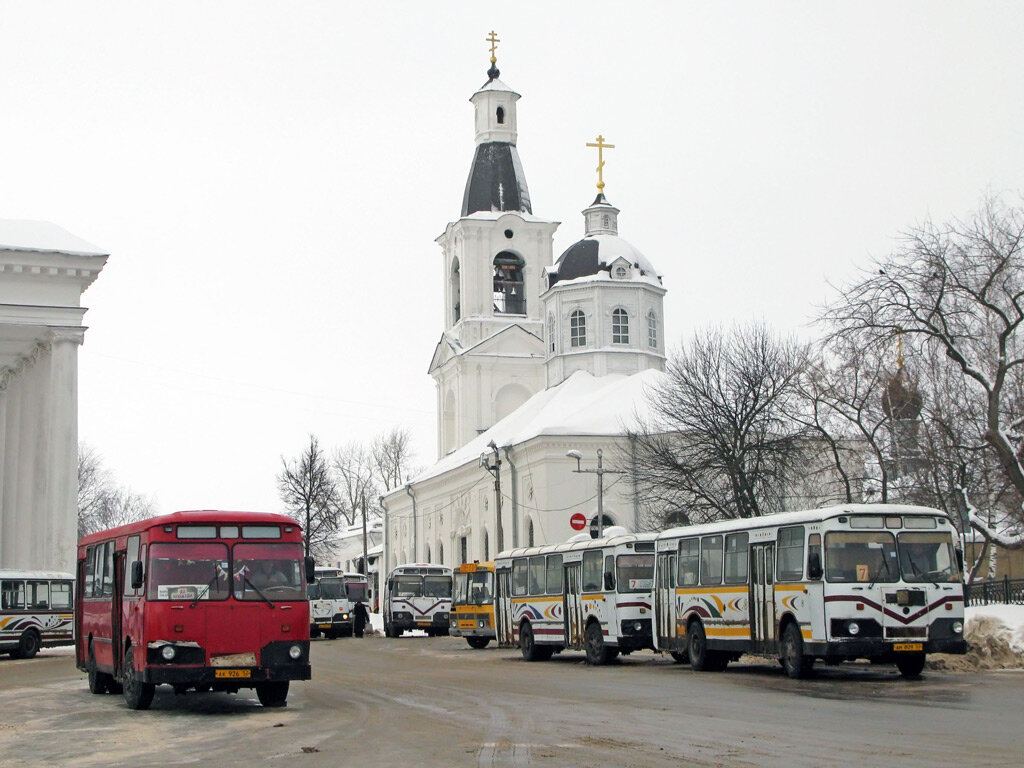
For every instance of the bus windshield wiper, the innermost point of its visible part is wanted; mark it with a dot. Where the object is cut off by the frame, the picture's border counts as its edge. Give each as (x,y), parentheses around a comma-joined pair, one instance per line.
(205,590)
(257,590)
(888,573)
(919,572)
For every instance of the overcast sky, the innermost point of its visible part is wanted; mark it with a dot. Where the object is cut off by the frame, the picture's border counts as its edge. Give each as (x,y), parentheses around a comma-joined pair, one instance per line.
(269,178)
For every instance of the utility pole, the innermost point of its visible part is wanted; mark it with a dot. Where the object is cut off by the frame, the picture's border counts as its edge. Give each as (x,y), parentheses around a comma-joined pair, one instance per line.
(600,472)
(495,469)
(366,565)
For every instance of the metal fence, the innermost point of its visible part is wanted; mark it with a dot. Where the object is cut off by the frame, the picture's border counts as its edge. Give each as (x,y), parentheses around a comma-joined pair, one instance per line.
(1009,591)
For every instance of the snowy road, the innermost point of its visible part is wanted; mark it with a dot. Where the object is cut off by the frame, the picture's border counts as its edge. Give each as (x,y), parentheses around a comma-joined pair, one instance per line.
(436,702)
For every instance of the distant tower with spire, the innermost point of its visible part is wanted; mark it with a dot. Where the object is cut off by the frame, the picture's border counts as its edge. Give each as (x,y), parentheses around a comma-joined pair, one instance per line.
(902,404)
(490,358)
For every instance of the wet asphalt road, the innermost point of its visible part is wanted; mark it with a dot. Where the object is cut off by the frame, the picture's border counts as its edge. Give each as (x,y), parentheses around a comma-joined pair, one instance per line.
(435,702)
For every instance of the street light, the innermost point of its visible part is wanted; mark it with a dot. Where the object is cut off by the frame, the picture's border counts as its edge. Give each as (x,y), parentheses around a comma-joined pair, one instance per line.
(495,469)
(600,472)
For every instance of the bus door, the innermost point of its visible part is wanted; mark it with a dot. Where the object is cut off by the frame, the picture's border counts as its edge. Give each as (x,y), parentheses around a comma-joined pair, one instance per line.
(572,604)
(503,607)
(762,598)
(116,610)
(665,600)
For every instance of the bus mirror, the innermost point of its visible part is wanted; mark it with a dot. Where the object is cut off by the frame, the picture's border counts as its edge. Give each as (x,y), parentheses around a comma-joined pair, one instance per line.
(609,580)
(960,559)
(137,575)
(310,569)
(814,566)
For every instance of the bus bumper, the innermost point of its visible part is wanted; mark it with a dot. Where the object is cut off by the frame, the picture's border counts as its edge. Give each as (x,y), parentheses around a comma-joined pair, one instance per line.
(277,665)
(879,648)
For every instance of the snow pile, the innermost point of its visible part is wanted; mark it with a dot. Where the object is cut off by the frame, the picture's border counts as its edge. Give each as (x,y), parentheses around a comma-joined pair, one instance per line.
(995,640)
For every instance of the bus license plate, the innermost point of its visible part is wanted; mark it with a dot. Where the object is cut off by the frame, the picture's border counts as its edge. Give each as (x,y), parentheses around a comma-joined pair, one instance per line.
(422,623)
(324,626)
(908,647)
(232,673)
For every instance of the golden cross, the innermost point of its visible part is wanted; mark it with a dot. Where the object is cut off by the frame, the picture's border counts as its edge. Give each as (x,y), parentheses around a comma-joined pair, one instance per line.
(601,146)
(493,40)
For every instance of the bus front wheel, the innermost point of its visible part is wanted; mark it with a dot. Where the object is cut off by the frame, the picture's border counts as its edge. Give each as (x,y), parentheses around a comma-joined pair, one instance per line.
(598,652)
(910,664)
(273,694)
(794,662)
(702,659)
(137,694)
(527,644)
(99,682)
(28,645)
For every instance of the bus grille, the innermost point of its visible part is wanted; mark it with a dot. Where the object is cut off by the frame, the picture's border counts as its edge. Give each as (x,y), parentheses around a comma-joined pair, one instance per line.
(907,632)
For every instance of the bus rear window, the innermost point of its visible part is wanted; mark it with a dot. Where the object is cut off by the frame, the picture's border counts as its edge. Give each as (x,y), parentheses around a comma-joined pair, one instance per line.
(189,572)
(634,573)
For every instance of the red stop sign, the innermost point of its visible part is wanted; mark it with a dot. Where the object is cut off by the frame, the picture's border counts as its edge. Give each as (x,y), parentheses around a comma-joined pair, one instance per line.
(578,521)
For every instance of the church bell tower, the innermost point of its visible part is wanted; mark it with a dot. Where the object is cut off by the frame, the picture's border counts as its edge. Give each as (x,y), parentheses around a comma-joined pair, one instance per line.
(490,358)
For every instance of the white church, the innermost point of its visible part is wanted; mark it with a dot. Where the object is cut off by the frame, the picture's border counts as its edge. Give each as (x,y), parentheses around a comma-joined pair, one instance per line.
(43,272)
(538,357)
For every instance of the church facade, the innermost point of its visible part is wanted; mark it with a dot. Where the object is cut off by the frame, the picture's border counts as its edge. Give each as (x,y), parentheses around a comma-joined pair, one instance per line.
(537,357)
(43,272)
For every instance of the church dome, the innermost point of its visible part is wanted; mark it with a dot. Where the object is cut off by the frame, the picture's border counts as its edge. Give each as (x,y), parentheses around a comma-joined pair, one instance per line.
(600,248)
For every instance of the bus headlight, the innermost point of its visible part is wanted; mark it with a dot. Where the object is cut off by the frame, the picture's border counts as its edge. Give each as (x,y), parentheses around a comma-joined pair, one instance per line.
(344,616)
(853,627)
(295,652)
(638,626)
(167,652)
(958,627)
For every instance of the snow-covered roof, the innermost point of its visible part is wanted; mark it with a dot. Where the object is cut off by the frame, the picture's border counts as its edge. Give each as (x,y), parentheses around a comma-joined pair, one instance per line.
(42,236)
(495,84)
(583,404)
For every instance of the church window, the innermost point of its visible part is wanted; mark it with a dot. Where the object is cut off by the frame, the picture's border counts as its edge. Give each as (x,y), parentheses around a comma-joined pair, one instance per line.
(487,547)
(456,289)
(578,328)
(501,115)
(652,330)
(529,534)
(604,221)
(620,327)
(440,552)
(551,332)
(464,549)
(509,294)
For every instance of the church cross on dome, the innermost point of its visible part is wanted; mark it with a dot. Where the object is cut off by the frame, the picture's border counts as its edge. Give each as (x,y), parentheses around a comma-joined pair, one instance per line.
(493,40)
(601,146)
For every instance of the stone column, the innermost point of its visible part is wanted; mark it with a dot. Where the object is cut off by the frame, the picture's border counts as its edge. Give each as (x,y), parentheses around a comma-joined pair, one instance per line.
(12,470)
(36,511)
(62,451)
(3,439)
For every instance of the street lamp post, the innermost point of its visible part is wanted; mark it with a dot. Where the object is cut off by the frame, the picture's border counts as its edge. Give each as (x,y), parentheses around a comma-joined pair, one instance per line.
(495,469)
(600,471)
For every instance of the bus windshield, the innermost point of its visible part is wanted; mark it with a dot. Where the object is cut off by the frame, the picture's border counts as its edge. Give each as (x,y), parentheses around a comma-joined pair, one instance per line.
(927,557)
(474,588)
(634,573)
(437,586)
(331,588)
(868,556)
(273,569)
(408,586)
(188,571)
(356,591)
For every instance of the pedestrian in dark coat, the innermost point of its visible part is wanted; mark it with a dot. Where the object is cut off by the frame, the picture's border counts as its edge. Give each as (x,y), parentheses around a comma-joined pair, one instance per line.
(360,616)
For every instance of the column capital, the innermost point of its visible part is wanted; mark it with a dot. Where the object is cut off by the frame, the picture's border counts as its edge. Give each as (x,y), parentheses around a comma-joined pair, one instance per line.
(68,334)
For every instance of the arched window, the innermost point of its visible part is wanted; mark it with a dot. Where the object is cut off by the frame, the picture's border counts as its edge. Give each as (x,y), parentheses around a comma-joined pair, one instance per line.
(428,553)
(440,553)
(529,533)
(456,288)
(578,328)
(487,546)
(652,330)
(500,114)
(509,297)
(620,327)
(551,331)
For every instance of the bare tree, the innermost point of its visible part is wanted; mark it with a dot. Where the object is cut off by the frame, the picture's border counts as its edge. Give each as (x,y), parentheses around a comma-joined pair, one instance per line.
(392,457)
(357,485)
(719,443)
(310,494)
(102,502)
(958,289)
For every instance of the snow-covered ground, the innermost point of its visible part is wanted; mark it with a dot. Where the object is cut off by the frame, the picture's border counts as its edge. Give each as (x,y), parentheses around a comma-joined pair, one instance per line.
(995,640)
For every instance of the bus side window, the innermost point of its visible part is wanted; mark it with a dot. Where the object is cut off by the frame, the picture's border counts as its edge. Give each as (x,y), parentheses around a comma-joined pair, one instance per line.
(538,576)
(736,560)
(39,594)
(108,569)
(814,564)
(520,576)
(592,561)
(670,580)
(60,595)
(90,570)
(791,553)
(609,573)
(12,595)
(554,575)
(688,563)
(711,560)
(131,557)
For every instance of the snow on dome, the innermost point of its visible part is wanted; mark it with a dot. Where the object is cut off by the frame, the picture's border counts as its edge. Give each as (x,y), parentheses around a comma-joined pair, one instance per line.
(44,237)
(595,253)
(495,85)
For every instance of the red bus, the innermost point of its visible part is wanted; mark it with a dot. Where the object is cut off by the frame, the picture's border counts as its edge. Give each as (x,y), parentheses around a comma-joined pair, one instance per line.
(196,600)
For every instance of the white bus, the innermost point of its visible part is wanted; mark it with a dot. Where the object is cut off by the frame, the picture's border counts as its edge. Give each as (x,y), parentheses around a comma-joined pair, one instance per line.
(331,599)
(417,596)
(873,581)
(588,594)
(36,611)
